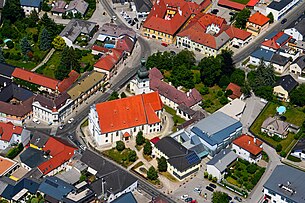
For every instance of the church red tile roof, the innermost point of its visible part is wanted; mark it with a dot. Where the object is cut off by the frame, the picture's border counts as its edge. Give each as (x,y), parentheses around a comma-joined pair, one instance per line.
(128,112)
(247,143)
(276,42)
(234,32)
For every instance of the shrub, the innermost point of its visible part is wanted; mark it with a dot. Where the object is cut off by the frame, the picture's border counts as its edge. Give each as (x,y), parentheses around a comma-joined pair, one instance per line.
(205,174)
(293,158)
(223,100)
(204,90)
(7,55)
(251,168)
(139,138)
(219,93)
(12,153)
(210,177)
(132,156)
(278,148)
(214,179)
(120,146)
(10,44)
(147,148)
(283,154)
(276,138)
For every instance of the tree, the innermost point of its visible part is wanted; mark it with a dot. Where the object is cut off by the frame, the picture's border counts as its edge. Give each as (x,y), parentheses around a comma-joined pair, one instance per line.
(132,156)
(59,43)
(238,77)
(113,96)
(123,95)
(68,62)
(120,146)
(45,7)
(210,70)
(278,147)
(45,40)
(33,19)
(227,66)
(139,138)
(162,164)
(25,46)
(184,57)
(2,59)
(271,17)
(152,173)
(50,25)
(220,197)
(182,76)
(147,148)
(12,11)
(297,96)
(161,60)
(265,92)
(242,18)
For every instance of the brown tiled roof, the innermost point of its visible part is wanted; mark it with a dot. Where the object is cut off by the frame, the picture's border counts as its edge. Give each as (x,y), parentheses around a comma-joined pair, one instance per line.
(19,110)
(235,89)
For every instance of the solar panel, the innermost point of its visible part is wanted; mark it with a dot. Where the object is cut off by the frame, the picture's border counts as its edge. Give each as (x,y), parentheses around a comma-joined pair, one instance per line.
(192,158)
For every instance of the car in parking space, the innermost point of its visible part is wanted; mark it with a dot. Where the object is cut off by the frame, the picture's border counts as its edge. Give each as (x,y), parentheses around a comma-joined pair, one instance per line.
(164,44)
(209,188)
(238,198)
(197,189)
(136,20)
(189,199)
(212,185)
(215,11)
(61,127)
(229,198)
(231,13)
(183,197)
(284,21)
(70,120)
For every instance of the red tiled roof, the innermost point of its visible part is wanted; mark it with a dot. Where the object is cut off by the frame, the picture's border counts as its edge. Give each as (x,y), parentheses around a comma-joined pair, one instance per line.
(125,44)
(126,134)
(234,32)
(7,130)
(188,99)
(235,89)
(108,61)
(157,19)
(68,82)
(271,43)
(99,48)
(155,140)
(258,19)
(129,112)
(231,4)
(61,152)
(247,143)
(252,3)
(35,78)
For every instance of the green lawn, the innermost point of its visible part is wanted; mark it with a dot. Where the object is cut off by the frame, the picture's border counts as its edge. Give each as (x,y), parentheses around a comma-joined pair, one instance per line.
(119,157)
(50,67)
(177,119)
(241,1)
(26,65)
(169,176)
(211,98)
(293,115)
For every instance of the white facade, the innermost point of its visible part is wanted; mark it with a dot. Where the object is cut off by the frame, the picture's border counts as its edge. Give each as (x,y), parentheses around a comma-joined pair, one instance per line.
(131,188)
(279,14)
(24,138)
(246,155)
(211,169)
(295,69)
(140,86)
(29,9)
(111,137)
(274,197)
(294,33)
(46,115)
(68,42)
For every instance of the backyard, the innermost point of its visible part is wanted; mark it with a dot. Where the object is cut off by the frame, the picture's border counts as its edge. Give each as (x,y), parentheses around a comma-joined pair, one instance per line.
(293,115)
(241,1)
(244,175)
(177,119)
(119,157)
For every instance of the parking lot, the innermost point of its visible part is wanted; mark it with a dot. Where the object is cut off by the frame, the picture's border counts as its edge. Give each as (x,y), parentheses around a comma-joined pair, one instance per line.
(222,12)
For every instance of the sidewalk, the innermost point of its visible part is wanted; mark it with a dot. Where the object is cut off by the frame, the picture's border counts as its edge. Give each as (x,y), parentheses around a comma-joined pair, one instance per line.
(45,60)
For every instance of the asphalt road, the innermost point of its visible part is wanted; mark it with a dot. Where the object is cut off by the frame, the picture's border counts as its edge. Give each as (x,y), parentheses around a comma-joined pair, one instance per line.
(291,16)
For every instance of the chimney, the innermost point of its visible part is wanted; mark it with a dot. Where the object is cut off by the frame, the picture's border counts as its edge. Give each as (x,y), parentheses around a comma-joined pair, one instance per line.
(4,84)
(254,139)
(249,142)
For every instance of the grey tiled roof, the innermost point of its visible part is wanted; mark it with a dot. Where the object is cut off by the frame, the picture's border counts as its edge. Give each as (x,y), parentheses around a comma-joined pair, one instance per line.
(223,159)
(79,5)
(287,82)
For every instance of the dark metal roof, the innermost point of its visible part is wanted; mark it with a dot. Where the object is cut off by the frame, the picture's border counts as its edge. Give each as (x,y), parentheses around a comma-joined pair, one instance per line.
(39,139)
(14,91)
(279,59)
(6,69)
(287,82)
(300,61)
(262,53)
(32,157)
(279,5)
(143,5)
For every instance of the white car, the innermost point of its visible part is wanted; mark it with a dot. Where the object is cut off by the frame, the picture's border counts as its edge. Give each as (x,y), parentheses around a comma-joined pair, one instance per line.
(70,120)
(35,120)
(61,127)
(184,197)
(197,189)
(114,17)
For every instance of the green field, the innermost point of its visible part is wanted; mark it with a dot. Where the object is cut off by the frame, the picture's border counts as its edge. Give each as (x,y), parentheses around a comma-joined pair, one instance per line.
(241,1)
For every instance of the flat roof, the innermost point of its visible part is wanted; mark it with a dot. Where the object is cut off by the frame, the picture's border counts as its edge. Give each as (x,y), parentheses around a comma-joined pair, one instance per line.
(6,165)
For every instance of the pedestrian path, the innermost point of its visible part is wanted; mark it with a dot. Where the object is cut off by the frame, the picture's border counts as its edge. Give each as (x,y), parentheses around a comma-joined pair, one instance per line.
(45,60)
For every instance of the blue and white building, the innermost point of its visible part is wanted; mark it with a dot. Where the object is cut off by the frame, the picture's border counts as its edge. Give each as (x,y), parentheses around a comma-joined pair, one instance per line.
(30,5)
(280,8)
(210,135)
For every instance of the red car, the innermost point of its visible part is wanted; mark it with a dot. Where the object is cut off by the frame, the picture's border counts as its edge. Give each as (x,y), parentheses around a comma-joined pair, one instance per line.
(164,44)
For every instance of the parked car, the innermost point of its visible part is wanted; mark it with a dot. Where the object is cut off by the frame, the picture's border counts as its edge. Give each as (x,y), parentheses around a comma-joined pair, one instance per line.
(164,44)
(114,18)
(197,189)
(231,13)
(61,127)
(229,198)
(189,199)
(183,197)
(212,185)
(238,198)
(70,120)
(35,120)
(284,21)
(209,188)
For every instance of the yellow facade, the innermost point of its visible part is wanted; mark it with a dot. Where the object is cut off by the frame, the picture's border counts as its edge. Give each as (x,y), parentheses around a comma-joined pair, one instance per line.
(281,93)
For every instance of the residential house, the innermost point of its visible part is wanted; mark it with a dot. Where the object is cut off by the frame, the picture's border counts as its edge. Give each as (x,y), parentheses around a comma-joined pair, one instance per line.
(209,135)
(82,194)
(78,28)
(275,41)
(109,63)
(170,96)
(59,8)
(167,18)
(236,91)
(31,158)
(248,148)
(284,86)
(257,23)
(111,181)
(98,50)
(18,192)
(77,6)
(15,103)
(7,166)
(218,165)
(29,6)
(38,140)
(55,189)
(86,86)
(11,134)
(142,8)
(297,66)
(52,110)
(181,162)
(209,34)
(273,126)
(122,119)
(280,8)
(109,33)
(297,31)
(125,44)
(194,119)
(234,108)
(285,185)
(185,112)
(299,149)
(6,72)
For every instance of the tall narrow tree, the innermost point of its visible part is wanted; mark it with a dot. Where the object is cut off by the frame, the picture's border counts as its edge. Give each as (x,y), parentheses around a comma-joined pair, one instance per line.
(45,40)
(2,59)
(25,46)
(12,11)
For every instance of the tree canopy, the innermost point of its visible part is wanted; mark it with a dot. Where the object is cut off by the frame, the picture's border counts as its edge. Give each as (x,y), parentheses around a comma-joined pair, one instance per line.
(242,18)
(162,164)
(182,76)
(12,11)
(152,174)
(271,17)
(45,40)
(140,138)
(147,148)
(297,96)
(25,46)
(59,43)
(120,146)
(220,197)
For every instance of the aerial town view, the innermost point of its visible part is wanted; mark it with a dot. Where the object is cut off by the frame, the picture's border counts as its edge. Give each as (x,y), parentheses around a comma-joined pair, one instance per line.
(152,101)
